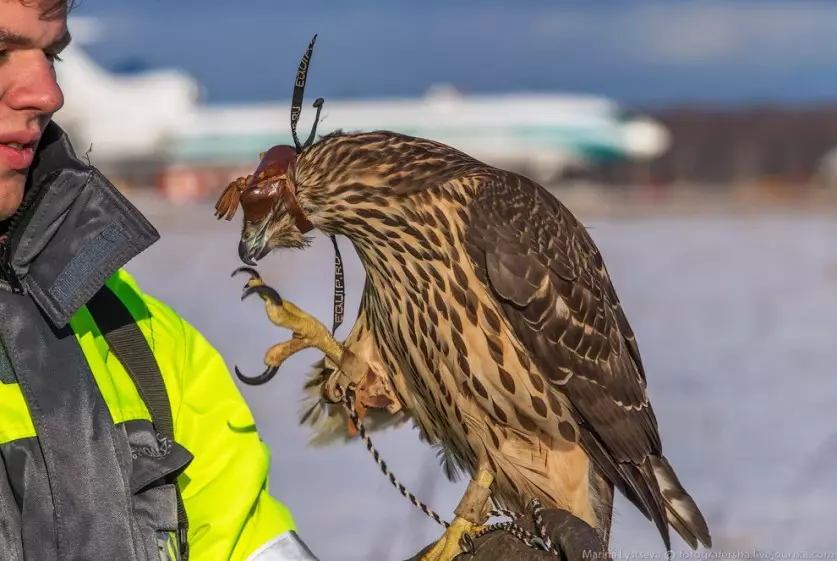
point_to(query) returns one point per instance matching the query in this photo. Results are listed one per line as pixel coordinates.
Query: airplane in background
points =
(151, 127)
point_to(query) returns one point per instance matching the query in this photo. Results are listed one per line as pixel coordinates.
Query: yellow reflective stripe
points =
(117, 387)
(15, 422)
(118, 390)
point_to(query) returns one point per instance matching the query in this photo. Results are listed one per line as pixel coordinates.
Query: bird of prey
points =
(488, 318)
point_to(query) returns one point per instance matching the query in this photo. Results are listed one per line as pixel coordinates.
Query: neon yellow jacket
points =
(225, 487)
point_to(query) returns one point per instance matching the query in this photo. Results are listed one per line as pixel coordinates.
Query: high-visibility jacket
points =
(84, 474)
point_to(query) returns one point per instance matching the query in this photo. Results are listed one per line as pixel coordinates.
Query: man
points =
(122, 434)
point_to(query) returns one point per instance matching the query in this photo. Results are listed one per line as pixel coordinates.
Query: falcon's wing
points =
(538, 261)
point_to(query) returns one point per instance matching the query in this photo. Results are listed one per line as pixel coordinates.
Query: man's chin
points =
(12, 185)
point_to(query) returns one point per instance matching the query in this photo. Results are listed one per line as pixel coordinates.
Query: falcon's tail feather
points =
(604, 505)
(637, 482)
(683, 514)
(644, 481)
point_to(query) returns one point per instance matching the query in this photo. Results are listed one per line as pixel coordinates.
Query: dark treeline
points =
(721, 146)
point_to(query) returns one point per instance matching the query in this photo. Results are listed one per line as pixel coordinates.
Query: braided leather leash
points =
(540, 541)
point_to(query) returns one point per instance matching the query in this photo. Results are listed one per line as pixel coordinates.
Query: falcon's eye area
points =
(258, 199)
(275, 161)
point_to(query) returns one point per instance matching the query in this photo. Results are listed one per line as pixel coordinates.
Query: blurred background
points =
(696, 140)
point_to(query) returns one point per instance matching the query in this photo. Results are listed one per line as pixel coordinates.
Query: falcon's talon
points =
(254, 274)
(466, 542)
(262, 378)
(457, 539)
(255, 278)
(266, 292)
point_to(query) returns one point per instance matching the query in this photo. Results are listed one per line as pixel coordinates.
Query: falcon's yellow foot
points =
(308, 331)
(472, 506)
(450, 545)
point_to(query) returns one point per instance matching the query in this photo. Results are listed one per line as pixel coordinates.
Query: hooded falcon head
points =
(366, 186)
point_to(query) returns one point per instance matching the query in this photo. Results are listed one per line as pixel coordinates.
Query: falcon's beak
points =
(252, 250)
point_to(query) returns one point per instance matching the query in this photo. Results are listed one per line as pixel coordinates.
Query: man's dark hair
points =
(51, 7)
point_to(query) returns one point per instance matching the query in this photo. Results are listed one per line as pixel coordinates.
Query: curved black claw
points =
(263, 290)
(466, 543)
(249, 270)
(262, 378)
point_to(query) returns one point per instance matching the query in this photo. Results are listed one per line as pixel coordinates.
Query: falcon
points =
(488, 318)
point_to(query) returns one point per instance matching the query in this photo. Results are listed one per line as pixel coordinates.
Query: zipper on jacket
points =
(7, 272)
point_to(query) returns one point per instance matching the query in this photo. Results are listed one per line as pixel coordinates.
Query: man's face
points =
(29, 94)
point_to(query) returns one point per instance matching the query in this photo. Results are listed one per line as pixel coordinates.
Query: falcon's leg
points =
(308, 330)
(469, 515)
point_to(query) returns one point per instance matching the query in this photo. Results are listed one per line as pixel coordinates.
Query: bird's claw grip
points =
(307, 331)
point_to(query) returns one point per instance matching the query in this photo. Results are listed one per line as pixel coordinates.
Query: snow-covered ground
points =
(737, 322)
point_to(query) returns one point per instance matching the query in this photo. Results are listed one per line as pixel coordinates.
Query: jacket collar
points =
(74, 230)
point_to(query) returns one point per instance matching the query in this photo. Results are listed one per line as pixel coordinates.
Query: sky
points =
(640, 53)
